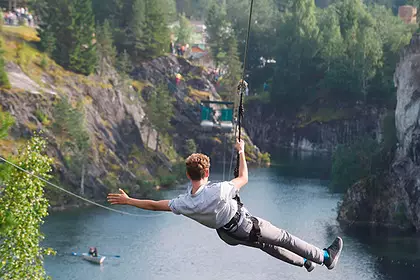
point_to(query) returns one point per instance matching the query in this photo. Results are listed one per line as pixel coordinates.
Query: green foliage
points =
(82, 57)
(364, 158)
(190, 147)
(265, 23)
(353, 162)
(194, 9)
(43, 118)
(294, 79)
(23, 200)
(105, 48)
(168, 178)
(4, 80)
(70, 123)
(67, 31)
(156, 33)
(160, 108)
(218, 29)
(137, 29)
(124, 67)
(264, 159)
(6, 121)
(184, 31)
(343, 53)
(233, 72)
(44, 62)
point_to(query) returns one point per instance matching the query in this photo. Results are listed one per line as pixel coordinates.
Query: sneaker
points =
(334, 251)
(309, 265)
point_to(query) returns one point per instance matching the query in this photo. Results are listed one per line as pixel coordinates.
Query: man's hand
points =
(242, 179)
(118, 198)
(240, 145)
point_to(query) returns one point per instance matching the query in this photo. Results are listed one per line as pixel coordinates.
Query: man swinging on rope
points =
(217, 206)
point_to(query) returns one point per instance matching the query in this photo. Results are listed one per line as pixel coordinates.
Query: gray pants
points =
(274, 241)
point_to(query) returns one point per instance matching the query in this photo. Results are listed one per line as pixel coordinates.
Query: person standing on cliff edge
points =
(217, 205)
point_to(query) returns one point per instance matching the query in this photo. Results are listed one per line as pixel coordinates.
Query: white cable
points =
(75, 195)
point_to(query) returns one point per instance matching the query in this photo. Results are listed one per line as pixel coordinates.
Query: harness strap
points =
(236, 218)
(234, 222)
(255, 231)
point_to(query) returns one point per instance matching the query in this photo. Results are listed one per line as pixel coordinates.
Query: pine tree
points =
(160, 110)
(136, 36)
(217, 30)
(124, 66)
(156, 31)
(184, 31)
(105, 47)
(82, 51)
(4, 80)
(47, 28)
(233, 75)
(70, 123)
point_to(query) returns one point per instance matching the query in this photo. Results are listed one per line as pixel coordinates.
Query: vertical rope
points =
(242, 88)
(224, 156)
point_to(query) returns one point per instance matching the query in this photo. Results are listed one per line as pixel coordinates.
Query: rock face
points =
(123, 144)
(394, 200)
(271, 130)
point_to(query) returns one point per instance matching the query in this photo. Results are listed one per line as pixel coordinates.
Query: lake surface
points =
(293, 194)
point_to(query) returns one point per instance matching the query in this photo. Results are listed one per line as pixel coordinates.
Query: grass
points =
(19, 46)
(23, 32)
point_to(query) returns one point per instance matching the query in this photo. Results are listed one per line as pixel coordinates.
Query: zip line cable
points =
(73, 194)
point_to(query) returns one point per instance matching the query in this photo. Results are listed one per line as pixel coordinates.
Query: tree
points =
(25, 204)
(6, 121)
(298, 46)
(184, 31)
(82, 51)
(137, 29)
(156, 33)
(265, 22)
(217, 30)
(105, 47)
(169, 9)
(194, 9)
(160, 110)
(4, 79)
(234, 70)
(394, 34)
(124, 66)
(70, 122)
(67, 31)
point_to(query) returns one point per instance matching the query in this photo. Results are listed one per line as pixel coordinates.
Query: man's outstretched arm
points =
(242, 178)
(123, 198)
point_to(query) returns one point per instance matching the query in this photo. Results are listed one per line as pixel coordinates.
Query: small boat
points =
(99, 259)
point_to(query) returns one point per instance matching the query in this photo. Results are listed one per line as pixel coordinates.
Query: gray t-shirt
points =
(212, 205)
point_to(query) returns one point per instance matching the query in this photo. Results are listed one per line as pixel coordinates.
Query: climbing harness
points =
(73, 194)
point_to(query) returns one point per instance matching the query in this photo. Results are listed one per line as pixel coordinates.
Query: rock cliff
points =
(394, 199)
(123, 144)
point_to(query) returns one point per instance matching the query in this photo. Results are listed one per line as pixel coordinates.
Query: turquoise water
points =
(173, 247)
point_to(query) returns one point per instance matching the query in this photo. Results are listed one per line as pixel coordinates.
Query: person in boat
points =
(93, 251)
(217, 205)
